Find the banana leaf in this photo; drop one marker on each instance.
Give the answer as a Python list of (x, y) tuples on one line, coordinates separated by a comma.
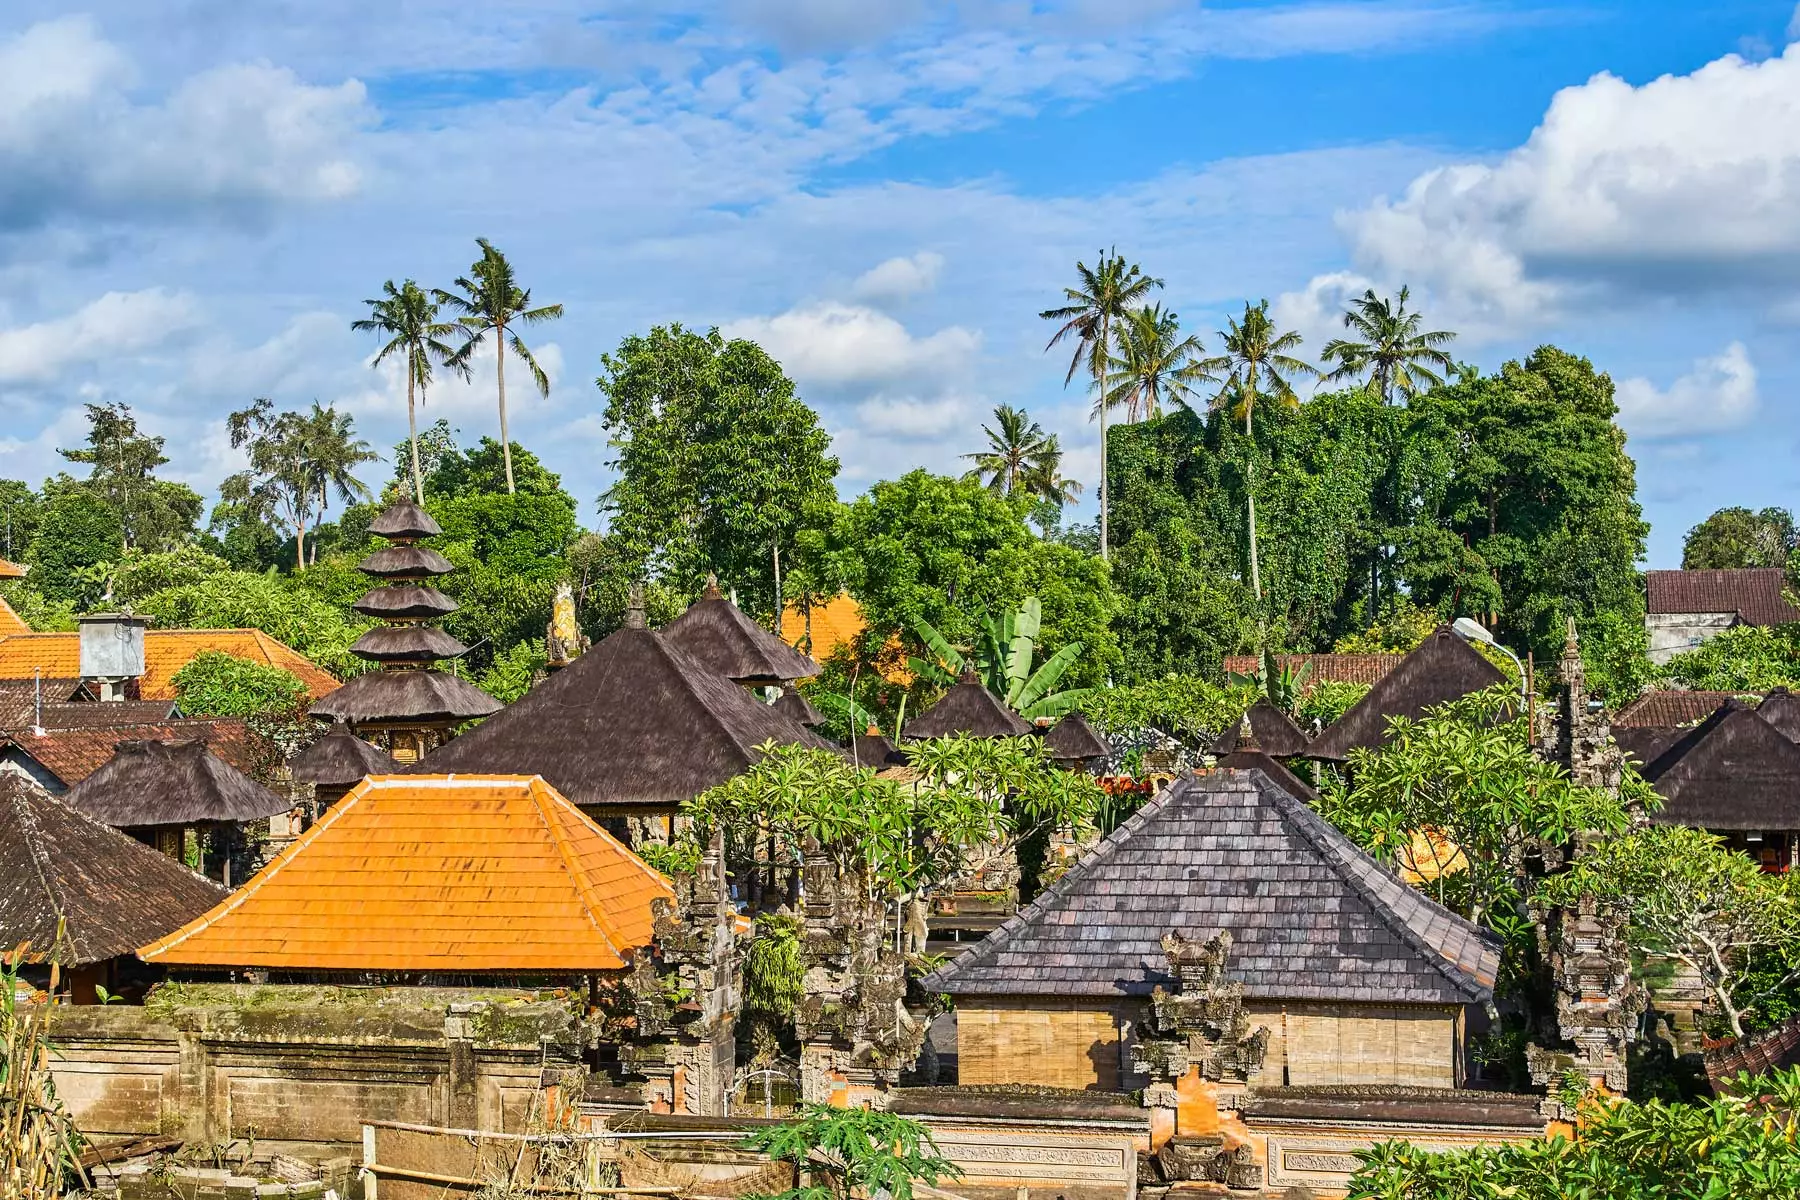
[(1046, 677)]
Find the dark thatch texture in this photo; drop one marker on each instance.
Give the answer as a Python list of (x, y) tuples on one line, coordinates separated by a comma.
[(400, 697), (967, 708), (340, 759), (1753, 593), (108, 893), (407, 643), (717, 634), (404, 521), (1263, 727), (1238, 850), (405, 602), (871, 749), (1781, 708), (1072, 739), (1734, 771), (61, 758), (1441, 669), (799, 708), (171, 783), (1667, 710), (633, 721), (1646, 743), (405, 562), (19, 698)]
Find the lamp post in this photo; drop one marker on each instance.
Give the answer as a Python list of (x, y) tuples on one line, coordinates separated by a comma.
[(1471, 630)]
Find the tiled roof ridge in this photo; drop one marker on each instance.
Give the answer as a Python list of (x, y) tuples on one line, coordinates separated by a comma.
[(1331, 845), (590, 903), (996, 941)]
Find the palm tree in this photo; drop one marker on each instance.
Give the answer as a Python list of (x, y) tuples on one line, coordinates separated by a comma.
[(1154, 363), (491, 302), (1016, 446), (1101, 300), (330, 452), (1256, 355), (1396, 356), (407, 316), (1045, 479)]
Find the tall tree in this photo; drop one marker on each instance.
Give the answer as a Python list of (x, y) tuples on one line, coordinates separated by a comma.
[(1095, 307), (1155, 363), (1738, 537), (1261, 367), (1394, 354), (492, 302), (154, 514), (296, 461), (1016, 449), (408, 317), (332, 454)]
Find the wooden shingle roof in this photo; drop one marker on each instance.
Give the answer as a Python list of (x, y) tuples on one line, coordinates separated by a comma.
[(633, 721), (1238, 849), (1733, 771), (79, 891), (1753, 593), (421, 873), (970, 709), (148, 782), (1442, 668), (1263, 727), (166, 651), (717, 634)]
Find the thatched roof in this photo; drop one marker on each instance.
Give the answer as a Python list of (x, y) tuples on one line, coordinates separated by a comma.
[(1646, 743), (340, 759), (716, 633), (1263, 727), (1733, 771), (634, 721), (1781, 708), (407, 643), (171, 783), (403, 521), (967, 708), (81, 892), (405, 562), (1441, 669), (799, 708), (401, 696), (871, 749), (405, 602), (1073, 739)]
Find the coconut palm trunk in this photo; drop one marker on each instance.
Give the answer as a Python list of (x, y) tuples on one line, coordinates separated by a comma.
[(500, 378), (412, 437), (1104, 350), (1250, 491)]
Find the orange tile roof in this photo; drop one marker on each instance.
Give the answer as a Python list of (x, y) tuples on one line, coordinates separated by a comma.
[(166, 651), (73, 754), (435, 873), (10, 570), (10, 621)]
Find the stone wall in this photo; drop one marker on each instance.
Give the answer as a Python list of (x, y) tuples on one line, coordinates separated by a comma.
[(305, 1067)]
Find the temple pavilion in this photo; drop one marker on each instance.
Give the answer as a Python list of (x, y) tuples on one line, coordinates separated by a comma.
[(1441, 668), (336, 763), (968, 708)]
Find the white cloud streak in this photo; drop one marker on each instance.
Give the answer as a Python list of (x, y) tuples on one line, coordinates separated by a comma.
[(1719, 394)]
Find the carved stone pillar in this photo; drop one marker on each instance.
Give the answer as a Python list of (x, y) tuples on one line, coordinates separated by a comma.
[(1597, 1002)]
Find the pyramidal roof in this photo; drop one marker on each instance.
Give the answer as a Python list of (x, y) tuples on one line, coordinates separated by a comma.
[(1441, 668), (1238, 849), (423, 873), (1734, 770), (171, 783), (634, 721), (339, 759), (1781, 708), (1266, 728), (79, 891), (718, 634), (1073, 739), (967, 708)]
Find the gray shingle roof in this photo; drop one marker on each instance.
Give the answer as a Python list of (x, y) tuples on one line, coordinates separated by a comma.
[(1311, 916)]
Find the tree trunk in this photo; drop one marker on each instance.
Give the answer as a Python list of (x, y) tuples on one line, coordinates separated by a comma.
[(1250, 499), (299, 544), (1100, 370), (500, 378), (412, 436), (775, 555)]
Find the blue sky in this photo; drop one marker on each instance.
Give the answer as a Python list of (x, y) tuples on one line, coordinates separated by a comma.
[(194, 200)]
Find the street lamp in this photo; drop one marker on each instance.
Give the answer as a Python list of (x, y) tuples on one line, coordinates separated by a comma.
[(1471, 630)]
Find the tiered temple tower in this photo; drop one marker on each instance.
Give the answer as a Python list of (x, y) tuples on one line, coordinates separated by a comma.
[(409, 706)]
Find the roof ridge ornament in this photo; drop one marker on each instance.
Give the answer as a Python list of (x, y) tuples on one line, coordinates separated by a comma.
[(634, 608)]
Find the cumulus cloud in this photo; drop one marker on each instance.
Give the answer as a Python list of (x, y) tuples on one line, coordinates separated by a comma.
[(1685, 182), (115, 324), (233, 140), (1717, 395), (846, 345), (898, 279)]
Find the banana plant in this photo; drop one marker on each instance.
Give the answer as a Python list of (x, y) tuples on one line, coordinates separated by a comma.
[(1280, 684), (1003, 655)]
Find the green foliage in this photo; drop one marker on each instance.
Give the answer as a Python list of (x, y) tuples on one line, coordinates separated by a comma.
[(215, 684), (1738, 537), (721, 466), (298, 460), (1689, 897), (77, 532), (845, 1152), (1744, 658), (1005, 649), (1327, 700), (1741, 1144), (1187, 707), (20, 511), (671, 858), (35, 609), (510, 676), (774, 969), (154, 514), (1277, 682), (286, 612), (1399, 630), (1615, 656), (138, 575)]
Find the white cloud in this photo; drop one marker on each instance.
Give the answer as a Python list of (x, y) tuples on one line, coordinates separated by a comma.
[(912, 417), (233, 140), (1717, 395), (842, 345), (898, 279), (118, 323), (1685, 182)]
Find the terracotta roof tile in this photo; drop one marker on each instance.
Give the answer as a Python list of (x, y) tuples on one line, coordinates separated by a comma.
[(73, 754), (10, 570), (1326, 668), (19, 699), (166, 651), (1754, 593), (11, 622), (1669, 709), (435, 873)]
